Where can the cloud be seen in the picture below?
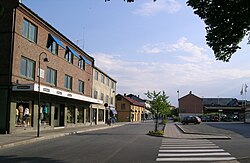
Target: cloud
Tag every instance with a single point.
(152, 8)
(194, 53)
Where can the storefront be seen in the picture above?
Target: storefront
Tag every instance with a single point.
(58, 108)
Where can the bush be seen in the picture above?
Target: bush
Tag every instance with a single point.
(177, 119)
(156, 133)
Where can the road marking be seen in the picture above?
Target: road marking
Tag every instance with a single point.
(178, 150)
(195, 154)
(194, 150)
(200, 147)
(197, 159)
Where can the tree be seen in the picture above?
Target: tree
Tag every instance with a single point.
(159, 104)
(227, 22)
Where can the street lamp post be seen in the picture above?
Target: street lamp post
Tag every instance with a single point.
(39, 93)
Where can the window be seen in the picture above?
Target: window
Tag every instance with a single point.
(107, 99)
(69, 56)
(81, 64)
(102, 97)
(29, 31)
(102, 78)
(27, 68)
(80, 86)
(112, 85)
(111, 100)
(52, 46)
(122, 106)
(95, 94)
(68, 82)
(96, 75)
(51, 76)
(107, 82)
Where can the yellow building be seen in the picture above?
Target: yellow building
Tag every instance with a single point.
(128, 110)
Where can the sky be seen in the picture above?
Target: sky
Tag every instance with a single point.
(148, 46)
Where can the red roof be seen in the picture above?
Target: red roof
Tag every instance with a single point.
(134, 102)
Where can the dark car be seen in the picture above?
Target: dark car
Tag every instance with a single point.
(191, 119)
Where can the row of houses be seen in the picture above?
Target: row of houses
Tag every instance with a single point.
(222, 108)
(45, 76)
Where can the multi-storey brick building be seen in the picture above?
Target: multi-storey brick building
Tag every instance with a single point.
(104, 89)
(64, 83)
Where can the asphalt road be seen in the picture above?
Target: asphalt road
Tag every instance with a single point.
(128, 143)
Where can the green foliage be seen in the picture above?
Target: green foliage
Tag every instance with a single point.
(1, 10)
(159, 102)
(177, 119)
(156, 133)
(164, 121)
(226, 24)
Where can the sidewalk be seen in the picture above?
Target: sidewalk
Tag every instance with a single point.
(173, 130)
(10, 140)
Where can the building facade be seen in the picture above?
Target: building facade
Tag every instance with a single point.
(190, 104)
(104, 89)
(128, 109)
(42, 67)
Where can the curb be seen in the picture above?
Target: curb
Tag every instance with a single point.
(212, 136)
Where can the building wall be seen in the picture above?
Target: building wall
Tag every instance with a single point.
(190, 105)
(123, 115)
(10, 70)
(104, 88)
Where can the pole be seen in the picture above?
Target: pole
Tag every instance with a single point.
(39, 91)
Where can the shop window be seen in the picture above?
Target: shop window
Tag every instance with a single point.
(71, 115)
(27, 68)
(45, 114)
(23, 114)
(51, 76)
(80, 115)
(68, 82)
(81, 64)
(80, 86)
(101, 115)
(88, 115)
(29, 31)
(69, 56)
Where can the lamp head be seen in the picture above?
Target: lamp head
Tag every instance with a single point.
(46, 59)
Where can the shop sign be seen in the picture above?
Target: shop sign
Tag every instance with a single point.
(22, 88)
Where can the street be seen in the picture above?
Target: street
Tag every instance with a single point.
(128, 143)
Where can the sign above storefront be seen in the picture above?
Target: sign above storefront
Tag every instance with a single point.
(56, 92)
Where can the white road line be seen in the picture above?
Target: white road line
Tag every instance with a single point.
(194, 150)
(186, 145)
(194, 154)
(197, 159)
(204, 147)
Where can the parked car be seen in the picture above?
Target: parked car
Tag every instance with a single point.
(191, 119)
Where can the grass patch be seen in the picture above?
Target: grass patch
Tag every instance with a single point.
(159, 133)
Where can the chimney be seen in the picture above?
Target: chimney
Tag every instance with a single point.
(125, 94)
(190, 92)
(138, 96)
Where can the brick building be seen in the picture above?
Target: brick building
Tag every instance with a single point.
(190, 104)
(66, 81)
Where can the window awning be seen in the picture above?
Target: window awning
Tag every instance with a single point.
(113, 110)
(73, 52)
(86, 61)
(57, 41)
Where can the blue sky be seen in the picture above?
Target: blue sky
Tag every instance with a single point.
(148, 45)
